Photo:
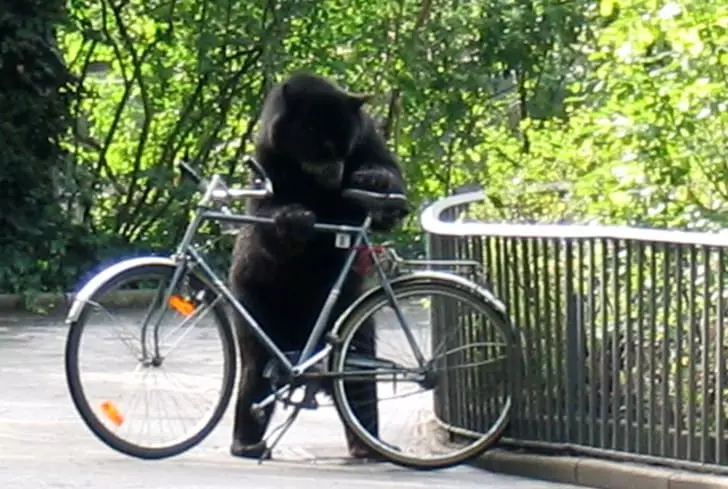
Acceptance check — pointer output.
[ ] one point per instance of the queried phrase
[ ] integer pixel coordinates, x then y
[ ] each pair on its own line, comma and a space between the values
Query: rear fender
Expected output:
424, 277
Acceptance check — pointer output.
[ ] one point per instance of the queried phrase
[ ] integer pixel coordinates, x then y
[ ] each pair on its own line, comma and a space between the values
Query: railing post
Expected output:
574, 335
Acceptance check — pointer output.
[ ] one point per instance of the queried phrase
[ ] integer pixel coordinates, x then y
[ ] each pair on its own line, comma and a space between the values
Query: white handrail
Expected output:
431, 222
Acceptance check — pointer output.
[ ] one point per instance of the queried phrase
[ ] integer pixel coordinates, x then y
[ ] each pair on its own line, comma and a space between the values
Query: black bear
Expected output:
314, 140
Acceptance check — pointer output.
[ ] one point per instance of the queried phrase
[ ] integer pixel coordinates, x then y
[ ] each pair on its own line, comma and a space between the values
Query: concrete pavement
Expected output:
44, 443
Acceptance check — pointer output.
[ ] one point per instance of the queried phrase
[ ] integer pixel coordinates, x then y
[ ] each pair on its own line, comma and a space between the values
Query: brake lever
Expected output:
260, 177
255, 166
191, 173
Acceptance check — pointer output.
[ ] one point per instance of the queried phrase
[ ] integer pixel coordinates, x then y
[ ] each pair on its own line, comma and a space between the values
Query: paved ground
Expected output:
43, 442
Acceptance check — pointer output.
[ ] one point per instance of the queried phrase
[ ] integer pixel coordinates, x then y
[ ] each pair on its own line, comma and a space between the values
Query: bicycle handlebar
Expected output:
216, 189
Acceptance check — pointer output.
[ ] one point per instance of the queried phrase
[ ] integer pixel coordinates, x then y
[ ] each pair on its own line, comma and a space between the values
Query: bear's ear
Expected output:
357, 100
271, 130
287, 94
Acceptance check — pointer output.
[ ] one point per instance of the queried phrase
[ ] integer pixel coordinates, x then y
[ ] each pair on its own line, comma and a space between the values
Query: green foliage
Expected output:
36, 244
644, 134
623, 101
641, 141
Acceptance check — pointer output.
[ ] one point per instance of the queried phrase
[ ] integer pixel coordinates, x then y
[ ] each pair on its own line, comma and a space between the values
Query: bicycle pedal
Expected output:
309, 397
312, 405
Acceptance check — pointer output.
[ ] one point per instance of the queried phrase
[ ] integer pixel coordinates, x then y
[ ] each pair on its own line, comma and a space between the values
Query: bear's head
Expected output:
317, 124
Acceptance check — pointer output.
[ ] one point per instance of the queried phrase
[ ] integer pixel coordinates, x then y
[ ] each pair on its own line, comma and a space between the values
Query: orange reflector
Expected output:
181, 305
112, 413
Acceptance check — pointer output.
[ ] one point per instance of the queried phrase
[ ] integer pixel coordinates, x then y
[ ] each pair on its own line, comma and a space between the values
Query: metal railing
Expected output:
623, 330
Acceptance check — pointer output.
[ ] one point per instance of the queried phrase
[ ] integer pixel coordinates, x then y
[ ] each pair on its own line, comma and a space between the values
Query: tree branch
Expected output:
137, 61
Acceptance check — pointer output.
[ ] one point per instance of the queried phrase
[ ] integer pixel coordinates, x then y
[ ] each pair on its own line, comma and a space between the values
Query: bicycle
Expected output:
192, 287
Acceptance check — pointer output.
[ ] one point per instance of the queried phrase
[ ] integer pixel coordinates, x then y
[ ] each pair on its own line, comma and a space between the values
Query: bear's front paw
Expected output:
375, 180
294, 223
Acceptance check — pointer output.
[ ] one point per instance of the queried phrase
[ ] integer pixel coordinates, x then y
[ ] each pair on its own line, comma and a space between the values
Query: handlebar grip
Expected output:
253, 164
190, 172
221, 191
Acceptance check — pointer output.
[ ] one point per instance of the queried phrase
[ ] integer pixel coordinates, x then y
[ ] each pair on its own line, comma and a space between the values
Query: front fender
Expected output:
97, 281
424, 277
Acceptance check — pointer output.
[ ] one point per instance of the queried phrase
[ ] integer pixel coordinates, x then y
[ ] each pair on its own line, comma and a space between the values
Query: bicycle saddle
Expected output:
376, 200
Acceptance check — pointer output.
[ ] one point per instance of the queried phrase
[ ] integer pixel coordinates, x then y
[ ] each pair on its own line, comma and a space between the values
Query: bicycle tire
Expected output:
363, 309
76, 388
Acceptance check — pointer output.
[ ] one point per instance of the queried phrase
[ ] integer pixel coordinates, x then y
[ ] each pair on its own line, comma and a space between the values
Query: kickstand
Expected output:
283, 427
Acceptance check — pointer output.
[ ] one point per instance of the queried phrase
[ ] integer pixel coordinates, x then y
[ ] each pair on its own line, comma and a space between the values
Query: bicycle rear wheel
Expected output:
124, 396
472, 359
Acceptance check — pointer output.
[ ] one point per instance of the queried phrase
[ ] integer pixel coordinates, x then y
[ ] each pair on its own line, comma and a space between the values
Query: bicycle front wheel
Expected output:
139, 403
441, 354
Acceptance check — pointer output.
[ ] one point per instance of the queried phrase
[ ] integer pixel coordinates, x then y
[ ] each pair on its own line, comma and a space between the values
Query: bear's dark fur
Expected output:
283, 272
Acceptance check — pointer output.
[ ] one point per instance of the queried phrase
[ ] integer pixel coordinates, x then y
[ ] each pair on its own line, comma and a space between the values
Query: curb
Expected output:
49, 304
596, 473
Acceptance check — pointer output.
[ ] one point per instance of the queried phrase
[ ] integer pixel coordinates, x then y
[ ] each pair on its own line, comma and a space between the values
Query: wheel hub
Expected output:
430, 377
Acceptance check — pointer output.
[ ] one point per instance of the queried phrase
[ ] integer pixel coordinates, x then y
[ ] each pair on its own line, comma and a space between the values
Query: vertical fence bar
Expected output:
494, 281
511, 300
532, 406
720, 365
450, 322
442, 394
572, 328
704, 355
616, 391
505, 281
465, 412
506, 272
519, 312
559, 369
581, 382
594, 378
604, 381
488, 263
465, 380
678, 405
629, 351
504, 287
651, 441
665, 377
477, 250
454, 391
548, 340
499, 268
693, 382
537, 355
477, 395
640, 364
483, 409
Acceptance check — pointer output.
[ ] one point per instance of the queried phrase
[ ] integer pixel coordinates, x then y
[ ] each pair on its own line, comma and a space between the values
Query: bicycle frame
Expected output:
307, 357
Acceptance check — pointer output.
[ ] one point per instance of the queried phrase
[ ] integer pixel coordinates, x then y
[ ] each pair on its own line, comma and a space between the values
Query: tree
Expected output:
35, 241
622, 101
